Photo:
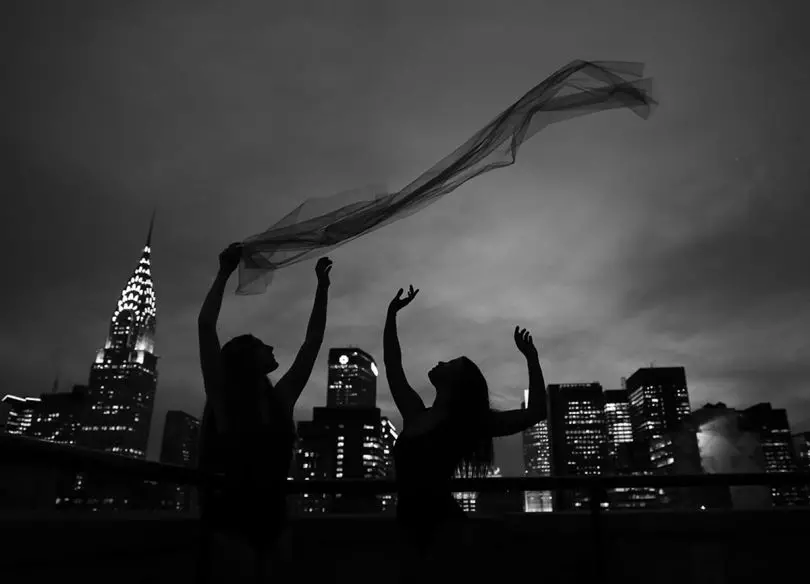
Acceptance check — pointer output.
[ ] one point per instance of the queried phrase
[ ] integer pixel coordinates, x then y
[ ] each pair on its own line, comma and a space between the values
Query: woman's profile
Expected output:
452, 437
248, 435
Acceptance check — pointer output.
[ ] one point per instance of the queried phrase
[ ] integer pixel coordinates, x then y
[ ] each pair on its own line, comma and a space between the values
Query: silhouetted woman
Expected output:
454, 436
248, 434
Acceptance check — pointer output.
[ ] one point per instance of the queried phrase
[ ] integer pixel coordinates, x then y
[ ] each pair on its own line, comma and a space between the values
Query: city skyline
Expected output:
618, 243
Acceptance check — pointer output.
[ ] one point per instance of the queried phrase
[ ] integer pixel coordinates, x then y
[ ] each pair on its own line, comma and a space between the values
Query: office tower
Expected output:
352, 379
388, 438
344, 443
54, 417
181, 437
659, 401
536, 462
121, 393
18, 413
777, 445
578, 436
58, 416
624, 457
123, 378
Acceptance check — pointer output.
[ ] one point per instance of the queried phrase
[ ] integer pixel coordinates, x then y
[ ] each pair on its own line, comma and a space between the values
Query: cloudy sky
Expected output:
681, 240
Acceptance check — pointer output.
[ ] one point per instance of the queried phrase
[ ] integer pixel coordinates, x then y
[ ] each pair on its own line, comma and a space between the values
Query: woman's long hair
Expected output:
470, 416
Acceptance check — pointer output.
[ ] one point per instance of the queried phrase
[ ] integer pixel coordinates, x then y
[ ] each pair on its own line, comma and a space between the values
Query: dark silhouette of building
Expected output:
578, 436
801, 448
536, 462
777, 445
344, 443
121, 390
181, 436
352, 379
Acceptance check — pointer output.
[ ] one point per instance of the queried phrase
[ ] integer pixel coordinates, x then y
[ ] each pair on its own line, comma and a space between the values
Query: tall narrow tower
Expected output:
123, 378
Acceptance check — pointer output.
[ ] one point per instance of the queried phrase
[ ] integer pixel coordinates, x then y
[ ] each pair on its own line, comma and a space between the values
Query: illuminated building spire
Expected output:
135, 317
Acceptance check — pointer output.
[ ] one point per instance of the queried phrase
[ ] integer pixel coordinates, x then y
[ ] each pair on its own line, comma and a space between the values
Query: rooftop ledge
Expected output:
643, 546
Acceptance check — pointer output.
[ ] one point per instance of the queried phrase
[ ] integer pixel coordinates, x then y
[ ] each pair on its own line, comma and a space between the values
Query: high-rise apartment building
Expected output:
351, 379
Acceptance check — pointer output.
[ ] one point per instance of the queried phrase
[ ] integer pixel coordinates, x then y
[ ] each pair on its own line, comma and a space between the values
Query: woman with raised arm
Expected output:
451, 438
248, 434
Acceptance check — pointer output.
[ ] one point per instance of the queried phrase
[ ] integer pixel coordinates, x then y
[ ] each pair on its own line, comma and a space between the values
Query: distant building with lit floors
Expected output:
123, 381
578, 435
181, 436
351, 379
659, 401
53, 417
536, 462
623, 455
778, 448
345, 443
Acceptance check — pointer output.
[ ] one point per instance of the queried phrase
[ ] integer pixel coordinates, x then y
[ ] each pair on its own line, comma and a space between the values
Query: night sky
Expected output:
682, 240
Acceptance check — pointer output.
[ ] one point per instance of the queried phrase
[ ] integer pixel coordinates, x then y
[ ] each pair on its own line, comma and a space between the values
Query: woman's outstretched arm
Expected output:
210, 358
406, 399
292, 384
514, 421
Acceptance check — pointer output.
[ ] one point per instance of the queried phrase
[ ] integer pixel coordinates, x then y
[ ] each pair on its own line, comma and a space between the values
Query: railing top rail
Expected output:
29, 452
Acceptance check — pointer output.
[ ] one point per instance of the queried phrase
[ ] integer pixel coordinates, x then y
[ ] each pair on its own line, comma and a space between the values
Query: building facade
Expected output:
351, 379
345, 443
578, 437
536, 462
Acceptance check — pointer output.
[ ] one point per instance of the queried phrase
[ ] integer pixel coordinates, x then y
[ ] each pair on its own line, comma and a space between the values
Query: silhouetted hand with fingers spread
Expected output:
525, 344
398, 303
229, 258
322, 269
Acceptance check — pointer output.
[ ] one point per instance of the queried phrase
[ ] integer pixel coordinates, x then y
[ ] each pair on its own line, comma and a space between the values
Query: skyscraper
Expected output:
57, 417
777, 446
536, 462
578, 436
181, 436
352, 379
18, 413
659, 401
344, 443
123, 378
624, 457
121, 394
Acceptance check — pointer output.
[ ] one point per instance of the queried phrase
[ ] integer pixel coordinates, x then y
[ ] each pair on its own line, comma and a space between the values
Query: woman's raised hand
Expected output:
525, 344
398, 303
229, 258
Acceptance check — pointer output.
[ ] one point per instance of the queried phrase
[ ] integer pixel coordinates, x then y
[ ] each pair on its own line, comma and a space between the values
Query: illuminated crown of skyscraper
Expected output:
135, 317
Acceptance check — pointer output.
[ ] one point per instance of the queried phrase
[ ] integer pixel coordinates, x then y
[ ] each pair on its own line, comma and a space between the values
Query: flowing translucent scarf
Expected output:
322, 224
